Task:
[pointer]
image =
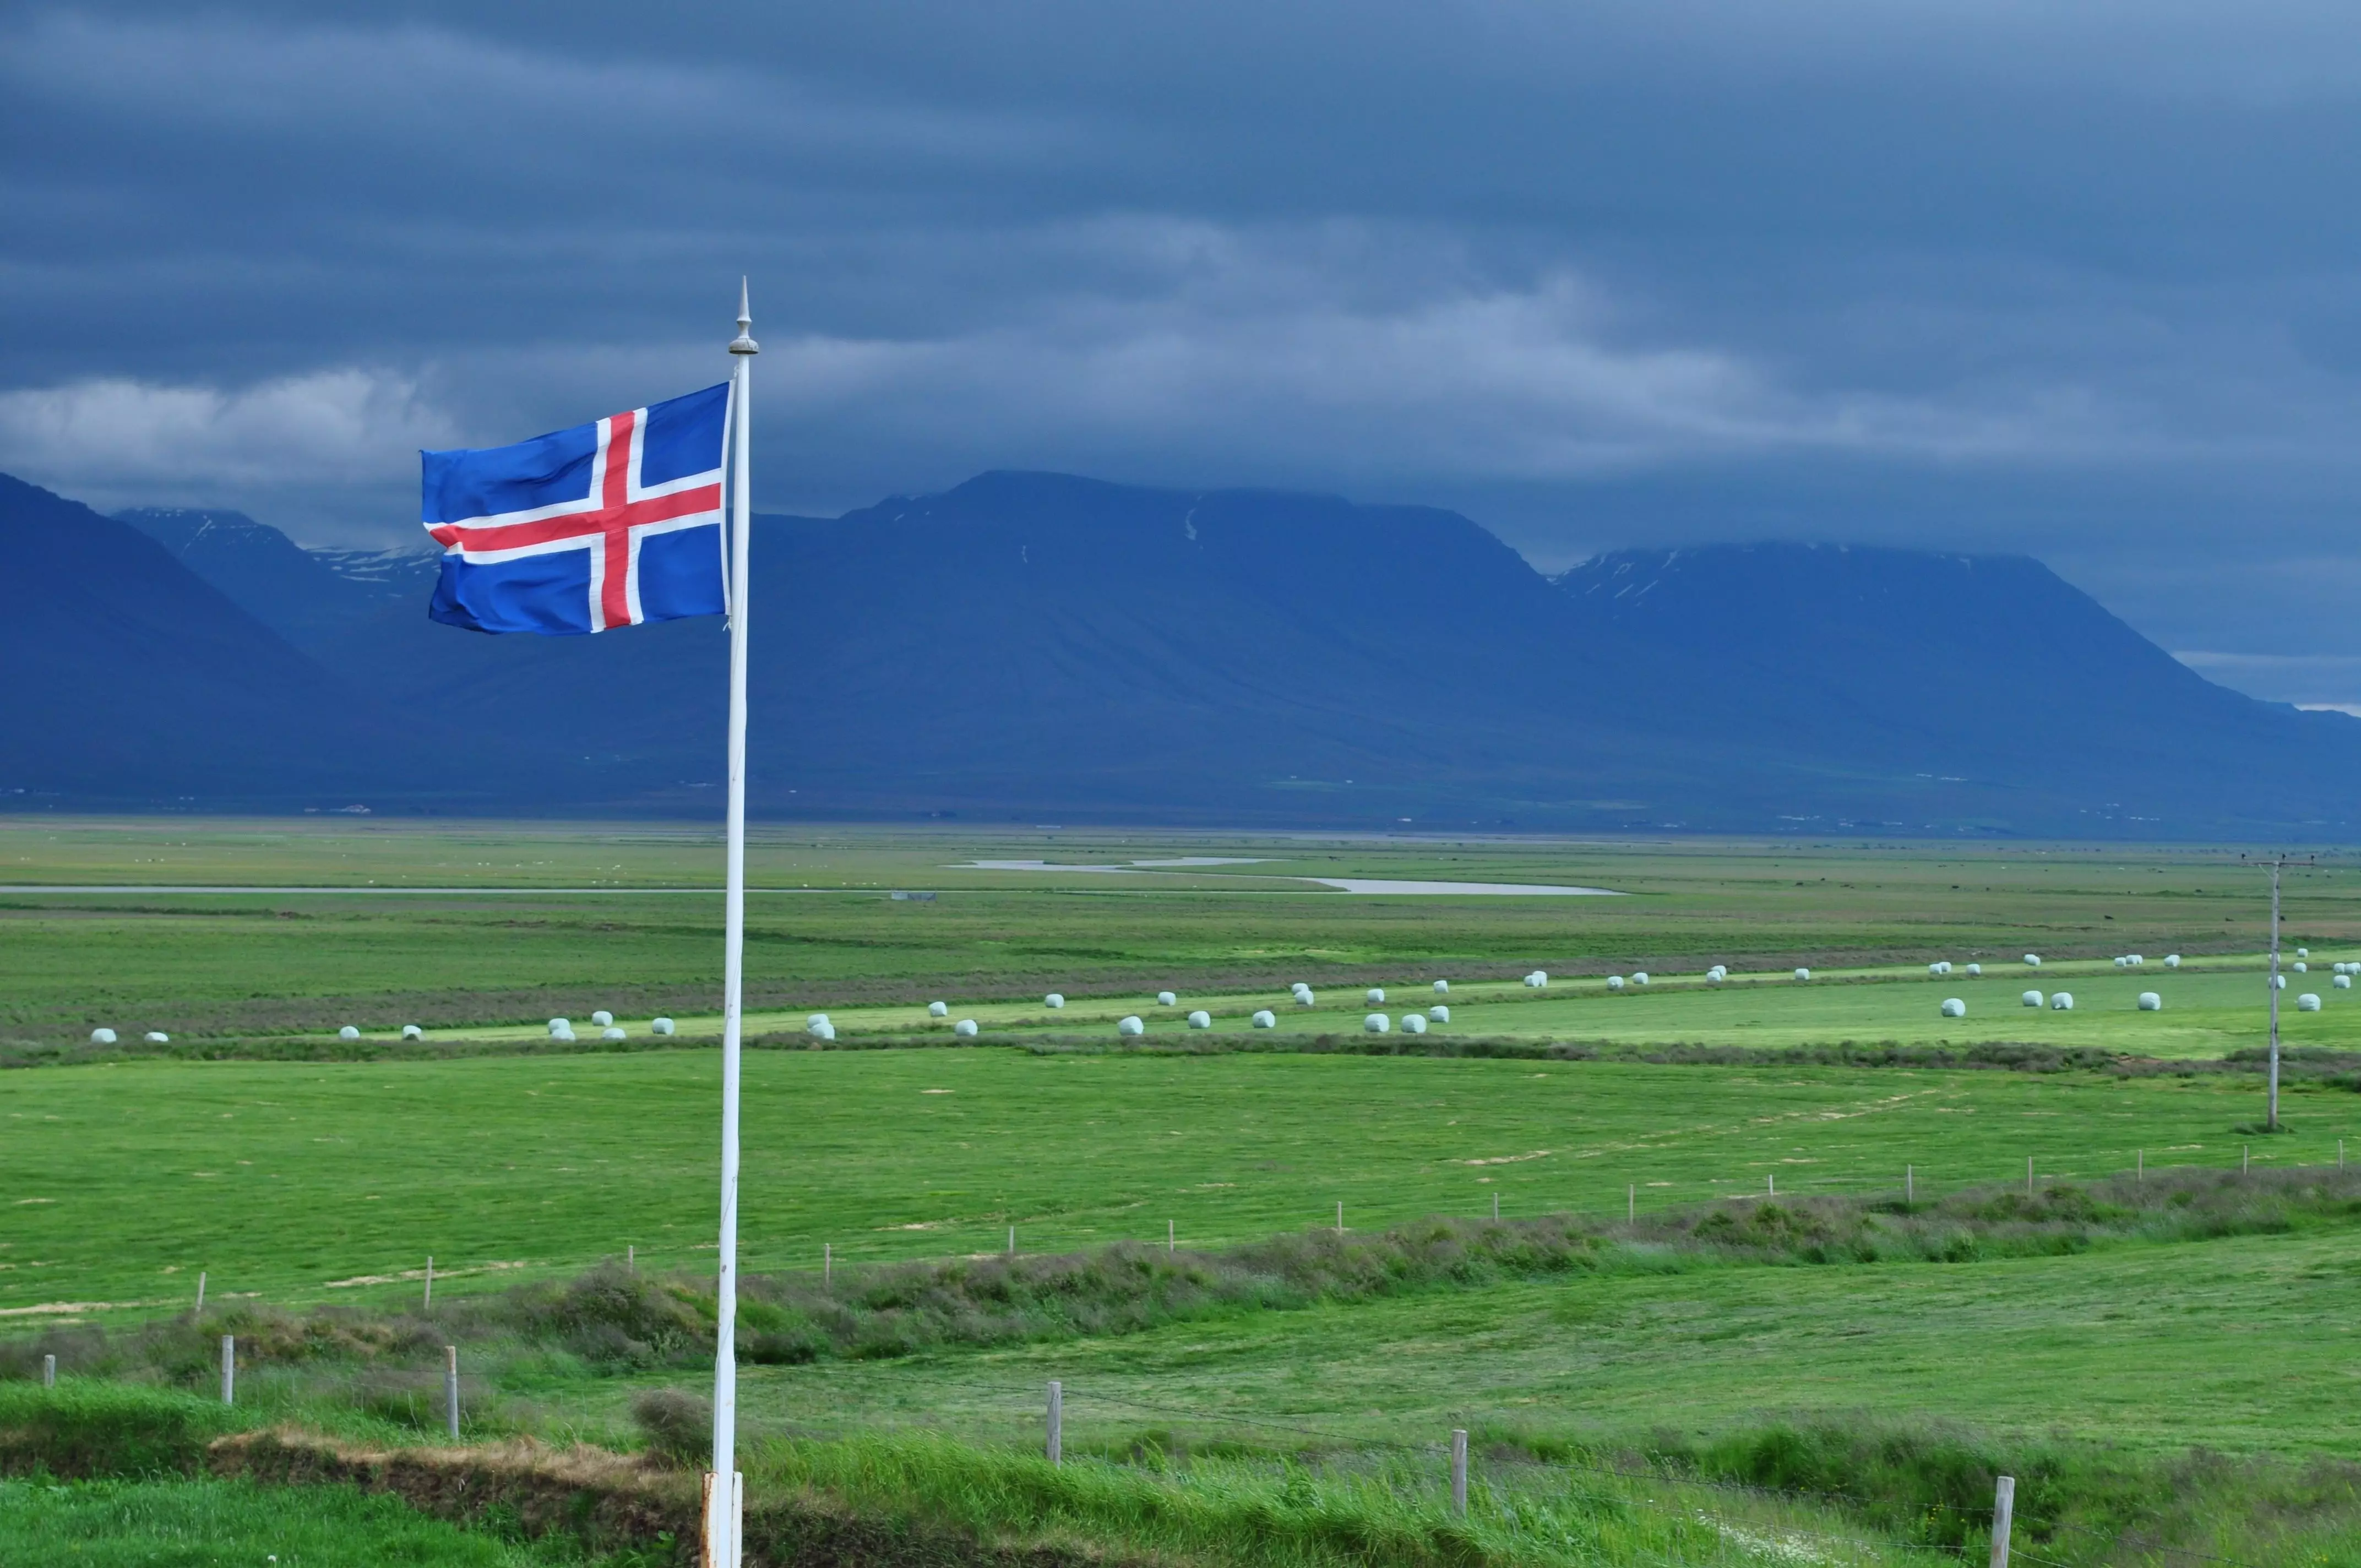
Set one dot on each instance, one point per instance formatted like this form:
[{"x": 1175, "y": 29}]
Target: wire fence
[{"x": 1667, "y": 1491}]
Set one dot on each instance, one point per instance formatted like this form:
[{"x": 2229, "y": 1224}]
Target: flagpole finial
[{"x": 743, "y": 343}]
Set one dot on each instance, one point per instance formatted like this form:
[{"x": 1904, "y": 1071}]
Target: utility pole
[{"x": 2278, "y": 862}]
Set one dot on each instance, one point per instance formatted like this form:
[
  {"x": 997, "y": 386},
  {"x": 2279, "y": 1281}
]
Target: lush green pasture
[
  {"x": 199, "y": 1523},
  {"x": 231, "y": 963},
  {"x": 2241, "y": 1345},
  {"x": 119, "y": 1182}
]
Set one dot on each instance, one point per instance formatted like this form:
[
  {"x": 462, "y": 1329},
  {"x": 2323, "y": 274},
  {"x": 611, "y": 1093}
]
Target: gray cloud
[{"x": 1989, "y": 276}]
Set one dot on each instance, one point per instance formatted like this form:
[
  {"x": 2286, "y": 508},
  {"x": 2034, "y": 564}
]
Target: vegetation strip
[{"x": 620, "y": 1318}]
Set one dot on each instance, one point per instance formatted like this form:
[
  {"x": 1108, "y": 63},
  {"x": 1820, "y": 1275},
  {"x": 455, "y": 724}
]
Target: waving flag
[
  {"x": 611, "y": 524},
  {"x": 604, "y": 526}
]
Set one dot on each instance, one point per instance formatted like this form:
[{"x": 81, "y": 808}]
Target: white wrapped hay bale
[
  {"x": 660, "y": 1026},
  {"x": 2280, "y": 980},
  {"x": 817, "y": 1022},
  {"x": 412, "y": 1032},
  {"x": 1976, "y": 970},
  {"x": 560, "y": 1027},
  {"x": 1377, "y": 996},
  {"x": 2341, "y": 981},
  {"x": 1442, "y": 988},
  {"x": 2172, "y": 960},
  {"x": 1538, "y": 980},
  {"x": 1413, "y": 1024},
  {"x": 1129, "y": 1024},
  {"x": 2120, "y": 962},
  {"x": 1053, "y": 1000},
  {"x": 2300, "y": 967},
  {"x": 1201, "y": 1020},
  {"x": 1716, "y": 975},
  {"x": 602, "y": 1017},
  {"x": 1614, "y": 982},
  {"x": 348, "y": 1033},
  {"x": 2062, "y": 1002},
  {"x": 1937, "y": 969},
  {"x": 2303, "y": 952},
  {"x": 2033, "y": 999},
  {"x": 821, "y": 1031},
  {"x": 156, "y": 1037},
  {"x": 1264, "y": 1018},
  {"x": 566, "y": 1034},
  {"x": 964, "y": 1028},
  {"x": 1166, "y": 999},
  {"x": 1376, "y": 1024},
  {"x": 2149, "y": 1002},
  {"x": 2136, "y": 961},
  {"x": 1638, "y": 977},
  {"x": 616, "y": 1032},
  {"x": 2033, "y": 960},
  {"x": 1304, "y": 998},
  {"x": 1803, "y": 974},
  {"x": 1439, "y": 1013},
  {"x": 1954, "y": 1008},
  {"x": 102, "y": 1036},
  {"x": 2307, "y": 1002},
  {"x": 938, "y": 1009}
]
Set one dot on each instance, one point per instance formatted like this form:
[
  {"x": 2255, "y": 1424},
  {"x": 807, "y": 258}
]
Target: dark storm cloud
[{"x": 2077, "y": 281}]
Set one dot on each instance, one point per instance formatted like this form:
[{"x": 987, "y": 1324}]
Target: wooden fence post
[
  {"x": 429, "y": 1303},
  {"x": 1056, "y": 1447},
  {"x": 49, "y": 1371},
  {"x": 230, "y": 1369},
  {"x": 451, "y": 1389},
  {"x": 2004, "y": 1506},
  {"x": 1459, "y": 1471}
]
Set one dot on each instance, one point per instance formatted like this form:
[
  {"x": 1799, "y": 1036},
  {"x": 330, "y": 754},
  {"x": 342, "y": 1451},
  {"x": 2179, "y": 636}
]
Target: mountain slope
[
  {"x": 300, "y": 594},
  {"x": 139, "y": 683},
  {"x": 1035, "y": 644},
  {"x": 1991, "y": 669}
]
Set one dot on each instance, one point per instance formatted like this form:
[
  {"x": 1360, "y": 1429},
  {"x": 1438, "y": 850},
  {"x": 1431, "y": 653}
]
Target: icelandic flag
[{"x": 604, "y": 526}]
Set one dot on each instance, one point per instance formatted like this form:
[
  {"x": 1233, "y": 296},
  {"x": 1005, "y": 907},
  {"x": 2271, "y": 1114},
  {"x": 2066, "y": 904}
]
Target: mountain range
[{"x": 1026, "y": 646}]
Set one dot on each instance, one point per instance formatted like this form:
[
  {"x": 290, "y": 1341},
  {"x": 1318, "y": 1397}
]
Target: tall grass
[
  {"x": 144, "y": 1523},
  {"x": 1282, "y": 1513}
]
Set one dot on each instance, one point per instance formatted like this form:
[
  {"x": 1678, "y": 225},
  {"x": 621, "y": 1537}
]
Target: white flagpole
[{"x": 724, "y": 1492}]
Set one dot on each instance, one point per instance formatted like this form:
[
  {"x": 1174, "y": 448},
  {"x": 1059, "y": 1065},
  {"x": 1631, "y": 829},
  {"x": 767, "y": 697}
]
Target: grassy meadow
[
  {"x": 337, "y": 1180},
  {"x": 323, "y": 1185}
]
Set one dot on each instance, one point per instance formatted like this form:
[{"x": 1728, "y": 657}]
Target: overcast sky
[{"x": 2079, "y": 280}]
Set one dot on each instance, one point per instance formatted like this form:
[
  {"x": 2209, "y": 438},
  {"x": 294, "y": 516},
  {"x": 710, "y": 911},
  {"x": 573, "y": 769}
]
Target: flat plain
[{"x": 291, "y": 1175}]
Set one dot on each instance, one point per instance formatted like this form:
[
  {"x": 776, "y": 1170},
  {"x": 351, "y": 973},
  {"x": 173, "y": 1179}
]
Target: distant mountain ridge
[{"x": 1031, "y": 643}]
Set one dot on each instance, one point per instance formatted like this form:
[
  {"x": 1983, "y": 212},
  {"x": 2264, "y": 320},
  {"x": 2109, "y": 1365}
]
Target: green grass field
[
  {"x": 202, "y": 1523},
  {"x": 293, "y": 1182},
  {"x": 303, "y": 1181}
]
